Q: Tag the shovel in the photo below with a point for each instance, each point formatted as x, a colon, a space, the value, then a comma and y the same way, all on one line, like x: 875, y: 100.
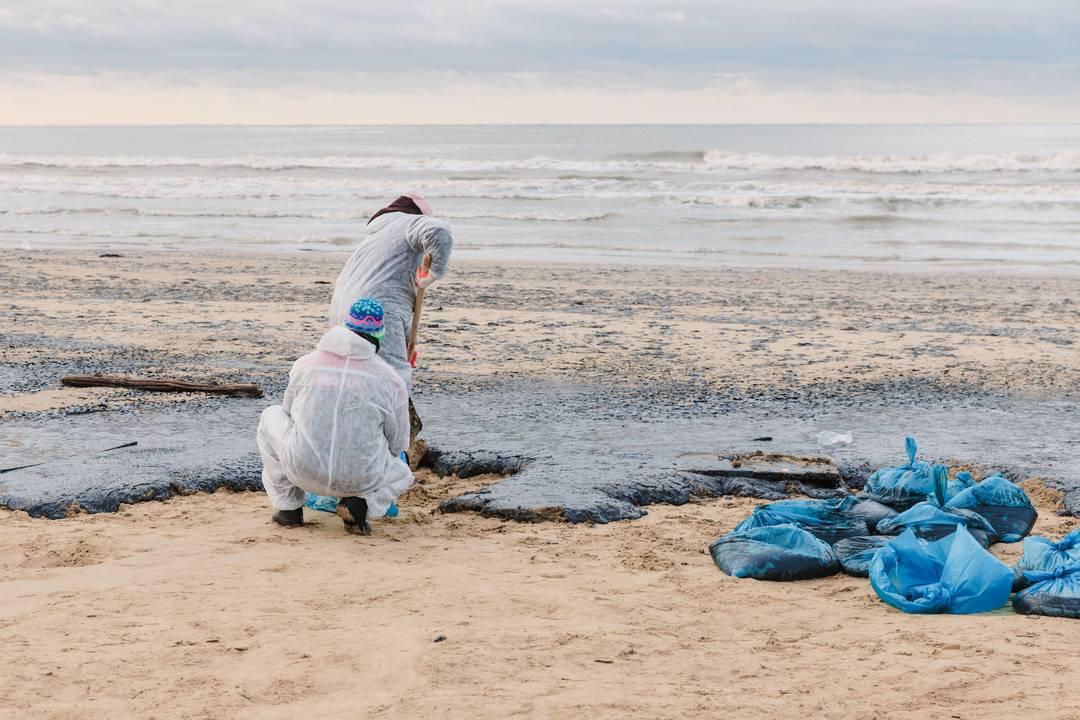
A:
x: 418, y: 305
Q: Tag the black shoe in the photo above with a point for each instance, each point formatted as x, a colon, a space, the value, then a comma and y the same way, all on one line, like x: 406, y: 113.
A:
x: 353, y: 511
x: 289, y: 518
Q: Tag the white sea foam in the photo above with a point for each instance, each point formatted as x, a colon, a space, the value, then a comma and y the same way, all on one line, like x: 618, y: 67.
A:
x: 708, y: 160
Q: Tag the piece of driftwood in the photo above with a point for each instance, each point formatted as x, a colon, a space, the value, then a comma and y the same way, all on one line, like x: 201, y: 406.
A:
x: 238, y: 390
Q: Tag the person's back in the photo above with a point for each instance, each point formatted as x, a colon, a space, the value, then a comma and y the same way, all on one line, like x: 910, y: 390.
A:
x: 340, y: 428
x: 384, y: 266
x: 344, y: 403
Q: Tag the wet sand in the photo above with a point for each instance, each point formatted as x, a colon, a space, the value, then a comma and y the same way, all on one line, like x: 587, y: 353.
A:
x: 200, y: 608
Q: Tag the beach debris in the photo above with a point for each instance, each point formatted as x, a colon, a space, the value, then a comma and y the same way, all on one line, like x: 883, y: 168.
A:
x: 760, y: 465
x: 248, y: 390
x: 778, y: 552
x: 67, y: 457
x: 938, y: 564
x: 763, y: 438
x: 952, y: 575
x: 439, y: 638
x: 829, y: 439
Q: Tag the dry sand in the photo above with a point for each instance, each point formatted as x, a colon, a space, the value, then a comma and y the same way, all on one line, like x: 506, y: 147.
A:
x: 200, y: 608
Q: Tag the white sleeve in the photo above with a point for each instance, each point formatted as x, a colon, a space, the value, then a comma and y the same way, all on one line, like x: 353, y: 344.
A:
x: 429, y: 236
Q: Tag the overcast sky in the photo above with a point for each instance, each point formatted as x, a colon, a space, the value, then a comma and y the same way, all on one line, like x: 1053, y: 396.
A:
x: 355, y: 61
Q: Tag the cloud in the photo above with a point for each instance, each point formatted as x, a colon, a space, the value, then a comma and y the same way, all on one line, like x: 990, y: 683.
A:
x: 985, y: 48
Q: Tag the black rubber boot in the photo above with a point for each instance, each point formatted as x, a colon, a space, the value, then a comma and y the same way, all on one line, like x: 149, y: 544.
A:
x: 353, y: 511
x: 289, y: 518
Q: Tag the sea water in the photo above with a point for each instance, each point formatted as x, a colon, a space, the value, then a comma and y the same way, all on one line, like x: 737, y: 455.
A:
x: 821, y: 196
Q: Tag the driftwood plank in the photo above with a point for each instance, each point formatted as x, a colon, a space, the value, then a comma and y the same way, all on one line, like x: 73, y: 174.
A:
x: 238, y: 390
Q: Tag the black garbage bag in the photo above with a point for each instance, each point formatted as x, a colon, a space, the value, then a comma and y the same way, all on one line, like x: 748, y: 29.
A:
x: 871, y: 511
x: 856, y: 553
x: 1004, y: 504
x: 828, y: 520
x: 777, y: 552
x: 903, y: 486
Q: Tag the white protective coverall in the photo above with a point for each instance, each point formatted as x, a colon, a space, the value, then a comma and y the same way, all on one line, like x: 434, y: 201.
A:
x: 384, y: 267
x: 339, y: 429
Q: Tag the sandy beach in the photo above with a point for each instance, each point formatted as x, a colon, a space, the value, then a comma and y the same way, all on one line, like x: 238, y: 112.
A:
x: 199, y: 607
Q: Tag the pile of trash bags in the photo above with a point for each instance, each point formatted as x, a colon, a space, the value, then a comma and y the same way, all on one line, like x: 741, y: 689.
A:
x: 920, y: 536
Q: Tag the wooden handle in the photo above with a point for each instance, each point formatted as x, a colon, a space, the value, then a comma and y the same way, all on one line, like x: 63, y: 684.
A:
x: 418, y: 305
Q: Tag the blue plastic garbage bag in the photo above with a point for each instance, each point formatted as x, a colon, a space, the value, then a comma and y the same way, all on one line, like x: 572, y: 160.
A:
x: 323, y: 503
x: 929, y: 521
x: 778, y: 552
x: 1005, y: 506
x: 329, y: 504
x: 951, y: 575
x: 828, y: 520
x: 856, y: 553
x: 1051, y: 592
x: 901, y: 487
x: 1043, y: 554
x: 959, y: 484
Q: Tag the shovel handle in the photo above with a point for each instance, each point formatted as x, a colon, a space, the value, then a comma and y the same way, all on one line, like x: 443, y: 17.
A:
x: 418, y: 305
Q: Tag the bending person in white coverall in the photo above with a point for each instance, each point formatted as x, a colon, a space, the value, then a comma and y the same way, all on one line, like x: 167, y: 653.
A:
x: 340, y: 427
x: 387, y: 266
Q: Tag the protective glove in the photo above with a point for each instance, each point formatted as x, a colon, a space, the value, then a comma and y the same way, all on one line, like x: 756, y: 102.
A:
x: 424, y: 280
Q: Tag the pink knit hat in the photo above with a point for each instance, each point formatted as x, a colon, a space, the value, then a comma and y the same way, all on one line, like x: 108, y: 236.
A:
x: 421, y: 202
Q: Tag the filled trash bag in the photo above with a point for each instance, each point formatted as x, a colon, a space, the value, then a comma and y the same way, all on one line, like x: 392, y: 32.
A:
x: 959, y: 484
x: 1043, y: 554
x: 1048, y: 571
x: 871, y: 511
x: 901, y: 487
x: 856, y: 553
x: 951, y: 575
x: 1004, y: 504
x: 828, y: 520
x: 778, y: 552
x: 929, y: 521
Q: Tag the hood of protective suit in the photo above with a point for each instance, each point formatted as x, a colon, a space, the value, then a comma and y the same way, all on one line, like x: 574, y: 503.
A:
x: 344, y: 342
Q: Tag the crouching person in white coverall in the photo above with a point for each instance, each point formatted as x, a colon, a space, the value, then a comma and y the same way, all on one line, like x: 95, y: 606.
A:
x: 340, y: 428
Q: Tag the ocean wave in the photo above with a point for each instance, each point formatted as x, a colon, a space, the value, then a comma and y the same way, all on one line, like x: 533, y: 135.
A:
x: 1067, y: 161
x: 672, y: 161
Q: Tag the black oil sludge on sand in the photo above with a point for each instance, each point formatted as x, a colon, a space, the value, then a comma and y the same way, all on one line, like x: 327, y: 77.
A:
x: 583, y: 453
